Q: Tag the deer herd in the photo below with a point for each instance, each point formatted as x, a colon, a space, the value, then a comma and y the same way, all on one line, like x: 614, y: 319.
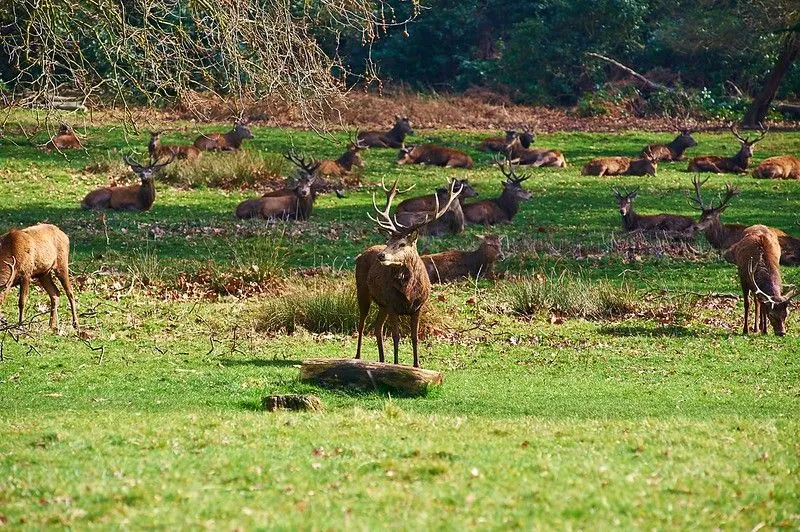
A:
x: 394, y: 275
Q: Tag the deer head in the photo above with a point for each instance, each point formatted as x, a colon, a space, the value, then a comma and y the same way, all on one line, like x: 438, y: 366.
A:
x: 512, y: 182
x: 307, y: 168
x: 777, y: 307
x: 625, y: 200
x: 746, y: 149
x: 527, y: 137
x: 651, y: 162
x: 709, y: 214
x: 241, y: 130
x: 146, y: 173
x: 491, y: 246
x: 402, y: 125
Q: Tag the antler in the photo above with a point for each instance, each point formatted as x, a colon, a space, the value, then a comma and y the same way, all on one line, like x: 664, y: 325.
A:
x: 730, y: 192
x: 300, y: 162
x: 762, y: 133
x: 751, y: 270
x: 13, y: 266
x: 385, y: 221
x: 156, y: 167
x: 511, y: 174
x: 698, y: 197
x: 736, y: 134
x: 130, y: 161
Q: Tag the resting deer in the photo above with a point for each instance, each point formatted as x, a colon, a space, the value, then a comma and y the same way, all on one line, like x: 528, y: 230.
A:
x: 434, y: 155
x: 535, y: 156
x: 343, y: 166
x: 132, y: 198
x: 527, y: 137
x: 501, y: 209
x: 756, y: 257
x: 428, y: 202
x: 394, y: 276
x: 676, y: 224
x: 159, y: 151
x: 36, y: 252
x: 780, y: 167
x: 451, y: 222
x: 498, y: 144
x: 454, y: 265
x: 230, y: 141
x: 65, y: 139
x: 733, y: 165
x: 647, y: 165
x: 674, y: 150
x: 394, y: 138
x: 296, y: 203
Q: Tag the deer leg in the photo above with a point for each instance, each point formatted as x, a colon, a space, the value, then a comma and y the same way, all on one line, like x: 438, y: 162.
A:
x: 24, y: 290
x: 364, y: 302
x: 414, y: 333
x: 63, y: 277
x: 763, y: 322
x: 746, y: 291
x: 394, y: 320
x: 379, y: 321
x: 46, y: 280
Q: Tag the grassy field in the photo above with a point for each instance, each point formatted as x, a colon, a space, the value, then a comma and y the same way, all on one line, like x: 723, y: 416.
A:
x: 559, y: 409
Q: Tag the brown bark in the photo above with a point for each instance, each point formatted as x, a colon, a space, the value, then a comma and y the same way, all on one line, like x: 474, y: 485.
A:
x: 363, y: 375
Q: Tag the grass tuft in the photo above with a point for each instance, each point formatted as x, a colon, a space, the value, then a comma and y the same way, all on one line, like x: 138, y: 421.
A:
x: 240, y: 169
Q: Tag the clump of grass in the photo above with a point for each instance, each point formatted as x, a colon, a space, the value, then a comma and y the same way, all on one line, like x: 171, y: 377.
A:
x: 110, y: 164
x: 569, y: 295
x: 145, y: 267
x: 240, y: 169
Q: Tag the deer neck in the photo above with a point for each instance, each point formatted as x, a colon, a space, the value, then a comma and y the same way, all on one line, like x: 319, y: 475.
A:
x: 147, y: 194
x: 508, y: 203
x: 396, y: 133
x: 304, y: 206
x: 152, y: 148
x: 717, y: 234
x: 630, y: 220
x: 740, y: 159
x: 346, y: 161
x: 677, y: 147
x: 234, y: 139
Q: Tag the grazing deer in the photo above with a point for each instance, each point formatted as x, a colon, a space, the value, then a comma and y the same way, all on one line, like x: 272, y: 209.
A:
x: 394, y: 276
x: 676, y: 224
x: 534, y: 156
x: 756, y: 257
x: 295, y: 203
x: 159, y: 151
x: 394, y: 138
x: 498, y: 144
x: 36, y: 252
x: 674, y: 150
x: 733, y: 165
x: 343, y: 166
x: 132, y: 198
x: 453, y: 265
x: 230, y: 141
x: 435, y: 155
x: 501, y: 209
x: 65, y: 139
x: 780, y: 167
x: 647, y: 165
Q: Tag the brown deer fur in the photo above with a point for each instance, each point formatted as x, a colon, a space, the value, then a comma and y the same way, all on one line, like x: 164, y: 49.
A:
x: 394, y: 277
x: 453, y: 265
x: 132, y: 198
x: 230, y: 141
x: 343, y: 166
x: 434, y: 155
x: 780, y: 167
x: 498, y: 144
x: 756, y: 257
x: 428, y: 202
x: 394, y: 138
x: 36, y: 252
x: 672, y: 151
x: 293, y: 203
x: 65, y: 139
x: 736, y: 165
x: 676, y: 224
x: 501, y: 209
x: 535, y: 156
x: 621, y: 166
x: 450, y: 223
x: 158, y: 151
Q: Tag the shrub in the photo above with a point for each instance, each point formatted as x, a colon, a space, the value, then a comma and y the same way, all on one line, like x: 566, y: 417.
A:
x: 240, y: 169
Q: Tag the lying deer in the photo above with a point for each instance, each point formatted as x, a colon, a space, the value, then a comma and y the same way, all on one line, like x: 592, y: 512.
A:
x: 780, y: 167
x: 230, y: 141
x: 434, y: 155
x: 451, y: 222
x: 394, y: 276
x: 675, y: 224
x: 159, y: 151
x: 734, y: 165
x: 132, y: 198
x: 295, y: 203
x: 501, y: 209
x: 535, y: 157
x: 343, y: 166
x: 36, y: 252
x: 453, y: 265
x: 647, y: 165
x: 428, y: 202
x: 756, y: 257
x: 65, y: 139
x: 674, y: 150
x: 501, y: 144
x: 394, y: 138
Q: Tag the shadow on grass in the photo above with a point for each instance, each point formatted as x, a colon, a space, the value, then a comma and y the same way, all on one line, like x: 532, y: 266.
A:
x: 674, y: 331
x: 260, y: 362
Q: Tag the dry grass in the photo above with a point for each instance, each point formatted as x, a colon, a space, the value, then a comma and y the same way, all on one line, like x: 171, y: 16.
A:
x: 240, y: 169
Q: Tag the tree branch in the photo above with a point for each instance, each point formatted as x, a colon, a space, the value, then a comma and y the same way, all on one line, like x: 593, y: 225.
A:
x: 647, y: 82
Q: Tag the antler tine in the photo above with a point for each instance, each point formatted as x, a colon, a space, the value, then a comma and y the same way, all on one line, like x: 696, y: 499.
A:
x: 698, y: 197
x: 13, y: 266
x: 438, y: 212
x: 730, y: 192
x: 300, y: 161
x: 762, y: 132
x: 791, y: 293
x: 155, y: 166
x: 736, y: 134
x: 501, y: 163
x: 384, y: 219
x: 752, y: 273
x: 130, y: 161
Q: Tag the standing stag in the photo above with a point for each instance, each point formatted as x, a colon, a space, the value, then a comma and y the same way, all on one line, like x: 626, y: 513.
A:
x: 230, y: 141
x: 394, y: 276
x: 435, y: 155
x: 65, y: 139
x: 454, y: 265
x: 294, y: 203
x: 756, y: 257
x: 780, y: 167
x: 132, y: 198
x: 37, y: 252
x: 647, y: 165
x: 675, y: 224
x: 501, y: 209
x: 733, y: 165
x: 158, y: 151
x: 394, y: 138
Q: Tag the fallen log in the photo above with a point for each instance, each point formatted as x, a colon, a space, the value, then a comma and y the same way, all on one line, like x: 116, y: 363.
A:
x: 367, y: 376
x: 788, y: 108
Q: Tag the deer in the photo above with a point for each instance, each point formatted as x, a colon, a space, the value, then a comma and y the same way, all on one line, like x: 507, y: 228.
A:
x: 65, y: 139
x: 602, y: 166
x: 527, y: 137
x: 434, y: 155
x: 756, y: 257
x: 674, y: 150
x: 780, y: 167
x: 394, y: 138
x: 451, y: 222
x: 132, y: 198
x: 453, y: 265
x: 535, y: 156
x: 498, y: 144
x: 295, y: 203
x: 393, y: 275
x: 732, y: 165
x: 506, y: 206
x: 230, y: 141
x: 676, y: 224
x: 158, y: 151
x: 427, y: 202
x: 343, y: 166
x: 722, y: 236
x: 37, y: 253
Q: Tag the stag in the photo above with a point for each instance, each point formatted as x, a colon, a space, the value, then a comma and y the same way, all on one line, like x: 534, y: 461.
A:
x: 343, y: 166
x: 453, y: 265
x: 498, y: 144
x: 158, y: 151
x: 756, y: 257
x: 294, y: 203
x: 394, y: 138
x: 675, y: 224
x: 434, y: 155
x: 230, y: 141
x: 504, y: 208
x: 674, y: 150
x: 394, y: 276
x: 132, y: 198
x: 780, y: 167
x: 647, y: 165
x: 451, y: 223
x: 733, y: 165
x: 535, y: 156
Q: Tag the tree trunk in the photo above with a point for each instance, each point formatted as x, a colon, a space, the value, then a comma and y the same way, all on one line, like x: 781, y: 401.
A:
x: 760, y: 106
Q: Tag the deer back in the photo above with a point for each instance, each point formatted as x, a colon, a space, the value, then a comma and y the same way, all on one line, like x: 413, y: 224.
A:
x: 602, y: 166
x: 779, y: 167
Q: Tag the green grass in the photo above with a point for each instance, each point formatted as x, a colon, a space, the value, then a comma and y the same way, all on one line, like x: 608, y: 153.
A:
x: 658, y: 416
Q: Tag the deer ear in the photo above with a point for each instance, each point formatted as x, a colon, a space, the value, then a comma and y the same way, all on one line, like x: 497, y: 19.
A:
x: 481, y: 237
x: 397, y: 117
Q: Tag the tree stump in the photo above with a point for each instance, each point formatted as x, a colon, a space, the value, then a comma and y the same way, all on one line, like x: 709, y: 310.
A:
x: 365, y: 376
x: 299, y: 403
